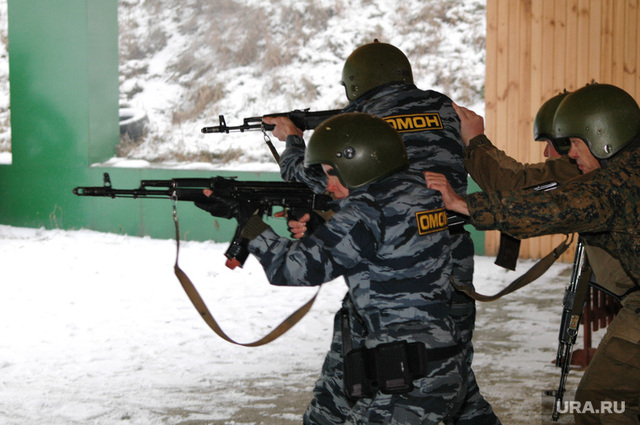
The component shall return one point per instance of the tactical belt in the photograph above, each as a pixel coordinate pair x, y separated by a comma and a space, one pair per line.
390, 368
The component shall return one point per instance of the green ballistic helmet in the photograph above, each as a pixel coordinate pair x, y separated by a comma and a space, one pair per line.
373, 65
606, 117
360, 147
543, 124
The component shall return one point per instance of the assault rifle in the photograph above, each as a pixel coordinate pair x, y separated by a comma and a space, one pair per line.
230, 199
233, 199
303, 119
572, 308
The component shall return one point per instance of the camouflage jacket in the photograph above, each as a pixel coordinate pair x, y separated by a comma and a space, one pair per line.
493, 170
428, 124
426, 120
603, 206
430, 129
389, 241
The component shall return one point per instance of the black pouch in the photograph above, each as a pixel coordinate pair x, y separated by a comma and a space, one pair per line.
357, 382
393, 374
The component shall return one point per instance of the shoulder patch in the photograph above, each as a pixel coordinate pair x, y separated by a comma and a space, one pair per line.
432, 221
415, 122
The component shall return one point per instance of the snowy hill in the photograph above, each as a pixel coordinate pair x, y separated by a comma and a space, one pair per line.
187, 62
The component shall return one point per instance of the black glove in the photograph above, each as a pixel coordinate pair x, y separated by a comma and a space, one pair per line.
254, 227
316, 220
219, 207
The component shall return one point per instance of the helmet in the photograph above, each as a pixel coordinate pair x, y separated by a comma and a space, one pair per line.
360, 147
543, 124
373, 65
606, 117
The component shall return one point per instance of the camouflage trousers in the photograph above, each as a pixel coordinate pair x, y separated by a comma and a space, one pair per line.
331, 406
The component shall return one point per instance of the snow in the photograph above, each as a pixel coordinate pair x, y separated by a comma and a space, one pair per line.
255, 57
96, 329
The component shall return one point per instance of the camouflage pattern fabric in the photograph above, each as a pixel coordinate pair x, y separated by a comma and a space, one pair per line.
603, 206
493, 170
397, 279
428, 124
429, 148
330, 404
437, 146
586, 206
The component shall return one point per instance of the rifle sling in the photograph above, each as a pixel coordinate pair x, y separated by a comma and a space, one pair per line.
206, 315
529, 276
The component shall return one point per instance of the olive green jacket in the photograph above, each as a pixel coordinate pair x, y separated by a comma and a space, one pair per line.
494, 170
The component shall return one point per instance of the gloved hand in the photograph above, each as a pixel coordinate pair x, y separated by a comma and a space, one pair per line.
218, 207
316, 221
254, 227
307, 222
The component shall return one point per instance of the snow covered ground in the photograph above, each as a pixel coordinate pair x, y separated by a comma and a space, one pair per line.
95, 329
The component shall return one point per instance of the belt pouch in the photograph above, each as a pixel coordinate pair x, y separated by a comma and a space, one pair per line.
356, 379
392, 368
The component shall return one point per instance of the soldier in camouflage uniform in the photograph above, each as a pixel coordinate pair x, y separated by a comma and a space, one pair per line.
603, 124
493, 170
389, 239
378, 80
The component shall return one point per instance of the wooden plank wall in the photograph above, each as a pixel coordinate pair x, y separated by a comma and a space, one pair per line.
537, 48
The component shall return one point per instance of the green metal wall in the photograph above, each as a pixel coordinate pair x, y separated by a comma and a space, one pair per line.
63, 61
63, 58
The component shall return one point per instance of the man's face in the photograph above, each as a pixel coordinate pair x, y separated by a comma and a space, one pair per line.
582, 155
550, 151
334, 186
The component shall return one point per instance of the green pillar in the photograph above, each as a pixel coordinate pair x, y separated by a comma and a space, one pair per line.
63, 59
